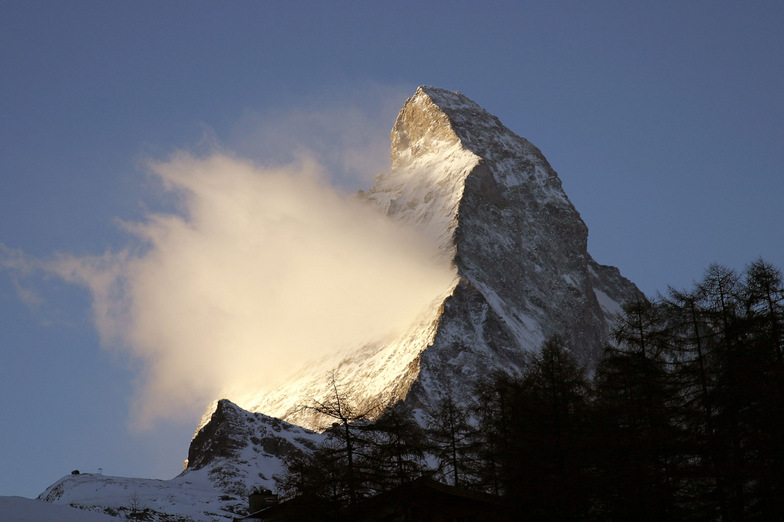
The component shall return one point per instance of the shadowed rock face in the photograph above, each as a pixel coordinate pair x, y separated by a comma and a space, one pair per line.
225, 434
518, 243
232, 429
241, 449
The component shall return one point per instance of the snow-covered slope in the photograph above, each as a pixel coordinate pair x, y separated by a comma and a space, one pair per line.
234, 454
19, 509
496, 209
191, 497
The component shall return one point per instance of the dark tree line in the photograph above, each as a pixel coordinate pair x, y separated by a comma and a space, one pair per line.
682, 419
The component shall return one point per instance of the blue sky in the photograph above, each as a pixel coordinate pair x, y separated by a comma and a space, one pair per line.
664, 121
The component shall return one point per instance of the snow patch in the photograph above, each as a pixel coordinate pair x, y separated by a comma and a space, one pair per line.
610, 307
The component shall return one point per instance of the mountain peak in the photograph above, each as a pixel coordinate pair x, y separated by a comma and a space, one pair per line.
447, 100
478, 130
435, 116
498, 208
497, 211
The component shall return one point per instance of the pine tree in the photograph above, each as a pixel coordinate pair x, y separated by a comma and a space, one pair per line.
762, 414
450, 435
545, 466
345, 432
397, 446
491, 409
694, 371
635, 437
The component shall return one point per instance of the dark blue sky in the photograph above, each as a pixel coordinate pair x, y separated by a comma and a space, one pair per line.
664, 121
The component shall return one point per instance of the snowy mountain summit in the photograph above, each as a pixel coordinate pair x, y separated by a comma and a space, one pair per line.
520, 246
496, 209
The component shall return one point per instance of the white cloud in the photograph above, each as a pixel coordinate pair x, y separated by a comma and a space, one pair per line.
257, 271
344, 128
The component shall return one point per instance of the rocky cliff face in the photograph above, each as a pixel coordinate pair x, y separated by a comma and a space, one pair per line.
519, 245
239, 448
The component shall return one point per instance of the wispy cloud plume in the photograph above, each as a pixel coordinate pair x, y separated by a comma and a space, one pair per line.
346, 129
255, 272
